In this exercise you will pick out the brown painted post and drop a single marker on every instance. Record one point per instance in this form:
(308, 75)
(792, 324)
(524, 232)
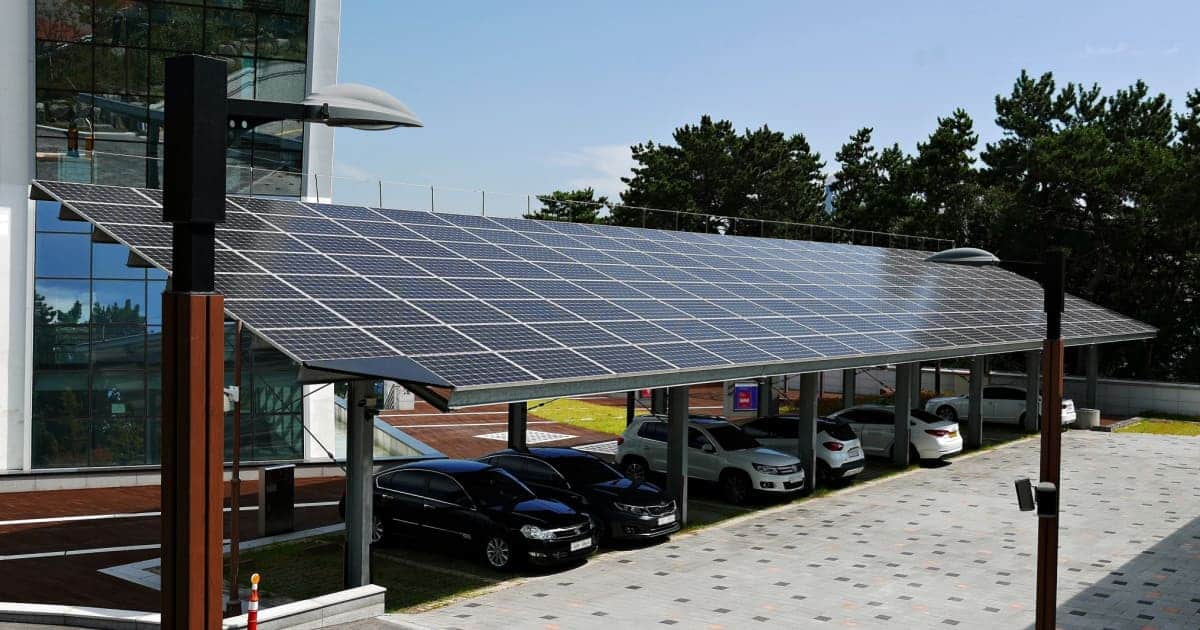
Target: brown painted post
(193, 447)
(1051, 466)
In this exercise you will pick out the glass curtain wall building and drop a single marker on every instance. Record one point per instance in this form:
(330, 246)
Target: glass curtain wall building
(93, 363)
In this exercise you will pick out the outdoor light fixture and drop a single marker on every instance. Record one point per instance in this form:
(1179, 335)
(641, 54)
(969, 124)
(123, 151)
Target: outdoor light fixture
(1050, 273)
(202, 120)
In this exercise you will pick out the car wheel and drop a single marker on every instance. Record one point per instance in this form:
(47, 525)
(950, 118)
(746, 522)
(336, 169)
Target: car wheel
(913, 456)
(946, 412)
(635, 468)
(498, 552)
(378, 530)
(824, 472)
(735, 487)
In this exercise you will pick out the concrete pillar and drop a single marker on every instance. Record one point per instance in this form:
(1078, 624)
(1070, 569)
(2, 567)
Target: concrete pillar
(1091, 399)
(807, 410)
(359, 471)
(915, 401)
(677, 448)
(518, 423)
(658, 401)
(630, 407)
(974, 432)
(903, 390)
(937, 378)
(849, 389)
(766, 397)
(1033, 388)
(324, 33)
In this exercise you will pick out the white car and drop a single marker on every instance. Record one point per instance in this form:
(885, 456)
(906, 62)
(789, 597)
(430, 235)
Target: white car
(839, 453)
(930, 437)
(1001, 403)
(718, 451)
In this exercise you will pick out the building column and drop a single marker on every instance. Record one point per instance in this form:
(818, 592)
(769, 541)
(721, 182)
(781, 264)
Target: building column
(319, 419)
(17, 69)
(849, 387)
(1092, 398)
(324, 33)
(807, 411)
(518, 425)
(900, 445)
(766, 397)
(1033, 389)
(974, 433)
(360, 450)
(677, 449)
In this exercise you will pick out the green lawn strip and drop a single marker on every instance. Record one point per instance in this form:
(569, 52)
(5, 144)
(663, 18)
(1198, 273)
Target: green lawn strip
(1163, 427)
(1163, 415)
(582, 414)
(312, 567)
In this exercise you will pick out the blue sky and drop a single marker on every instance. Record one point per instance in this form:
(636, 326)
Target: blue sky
(524, 97)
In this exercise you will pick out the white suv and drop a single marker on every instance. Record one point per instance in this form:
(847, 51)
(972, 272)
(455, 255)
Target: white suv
(1001, 403)
(718, 451)
(839, 453)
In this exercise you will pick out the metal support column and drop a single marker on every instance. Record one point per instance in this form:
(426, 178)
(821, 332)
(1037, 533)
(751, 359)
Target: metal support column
(766, 397)
(658, 401)
(360, 450)
(974, 432)
(677, 448)
(1092, 399)
(807, 411)
(903, 404)
(630, 407)
(1033, 374)
(518, 424)
(193, 348)
(915, 401)
(849, 387)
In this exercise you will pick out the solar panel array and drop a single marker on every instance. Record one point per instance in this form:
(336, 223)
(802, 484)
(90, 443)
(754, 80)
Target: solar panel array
(488, 302)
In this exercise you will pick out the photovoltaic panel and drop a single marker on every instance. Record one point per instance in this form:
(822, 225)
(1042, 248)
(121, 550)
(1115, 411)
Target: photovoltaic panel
(444, 300)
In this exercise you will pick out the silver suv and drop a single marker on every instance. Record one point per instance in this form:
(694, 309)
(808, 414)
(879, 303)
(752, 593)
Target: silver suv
(718, 451)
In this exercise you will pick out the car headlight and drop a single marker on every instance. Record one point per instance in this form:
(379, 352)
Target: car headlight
(632, 509)
(533, 532)
(768, 470)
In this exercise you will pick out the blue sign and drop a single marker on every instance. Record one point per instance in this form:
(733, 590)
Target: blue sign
(745, 396)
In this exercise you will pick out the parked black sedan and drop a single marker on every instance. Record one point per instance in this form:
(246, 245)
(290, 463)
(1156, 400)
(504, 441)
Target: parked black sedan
(482, 505)
(622, 508)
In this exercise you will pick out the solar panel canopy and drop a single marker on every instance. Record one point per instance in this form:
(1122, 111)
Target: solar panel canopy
(470, 310)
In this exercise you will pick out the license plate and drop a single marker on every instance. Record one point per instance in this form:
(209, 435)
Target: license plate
(581, 544)
(855, 451)
(666, 520)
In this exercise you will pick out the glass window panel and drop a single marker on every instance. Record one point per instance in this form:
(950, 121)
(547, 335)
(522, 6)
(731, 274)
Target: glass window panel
(62, 255)
(153, 440)
(63, 20)
(282, 37)
(57, 109)
(61, 301)
(48, 221)
(239, 76)
(275, 436)
(64, 66)
(176, 28)
(119, 346)
(229, 33)
(108, 261)
(120, 163)
(118, 394)
(61, 346)
(154, 291)
(118, 441)
(121, 70)
(279, 80)
(60, 442)
(122, 23)
(119, 306)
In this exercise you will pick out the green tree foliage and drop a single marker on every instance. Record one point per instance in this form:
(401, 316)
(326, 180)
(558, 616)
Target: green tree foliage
(872, 190)
(721, 176)
(579, 206)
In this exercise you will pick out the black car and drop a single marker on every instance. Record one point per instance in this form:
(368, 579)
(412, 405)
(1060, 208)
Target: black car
(622, 508)
(481, 505)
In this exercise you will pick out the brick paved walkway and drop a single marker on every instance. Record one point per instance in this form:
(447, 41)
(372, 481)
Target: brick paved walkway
(937, 548)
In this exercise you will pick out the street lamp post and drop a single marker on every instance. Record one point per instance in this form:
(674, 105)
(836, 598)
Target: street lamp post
(1050, 273)
(199, 117)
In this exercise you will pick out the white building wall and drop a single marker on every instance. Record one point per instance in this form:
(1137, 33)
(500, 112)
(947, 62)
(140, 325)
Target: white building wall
(16, 230)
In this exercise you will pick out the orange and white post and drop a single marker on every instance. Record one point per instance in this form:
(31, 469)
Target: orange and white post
(252, 609)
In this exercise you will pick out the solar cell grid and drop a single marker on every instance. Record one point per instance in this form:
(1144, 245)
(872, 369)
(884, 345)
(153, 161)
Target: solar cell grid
(381, 312)
(421, 340)
(553, 364)
(461, 312)
(639, 332)
(342, 212)
(509, 337)
(534, 311)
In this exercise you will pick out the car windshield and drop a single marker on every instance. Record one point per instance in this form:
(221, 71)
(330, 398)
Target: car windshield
(494, 487)
(585, 470)
(732, 438)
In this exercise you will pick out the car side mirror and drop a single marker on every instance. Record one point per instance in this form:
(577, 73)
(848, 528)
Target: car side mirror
(708, 448)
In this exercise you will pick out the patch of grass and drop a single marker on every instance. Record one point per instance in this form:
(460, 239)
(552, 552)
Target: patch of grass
(308, 568)
(1163, 427)
(582, 414)
(1163, 415)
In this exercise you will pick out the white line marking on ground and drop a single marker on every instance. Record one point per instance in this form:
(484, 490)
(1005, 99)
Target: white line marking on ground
(466, 424)
(106, 517)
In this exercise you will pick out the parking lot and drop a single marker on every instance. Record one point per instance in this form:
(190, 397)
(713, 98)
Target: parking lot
(935, 547)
